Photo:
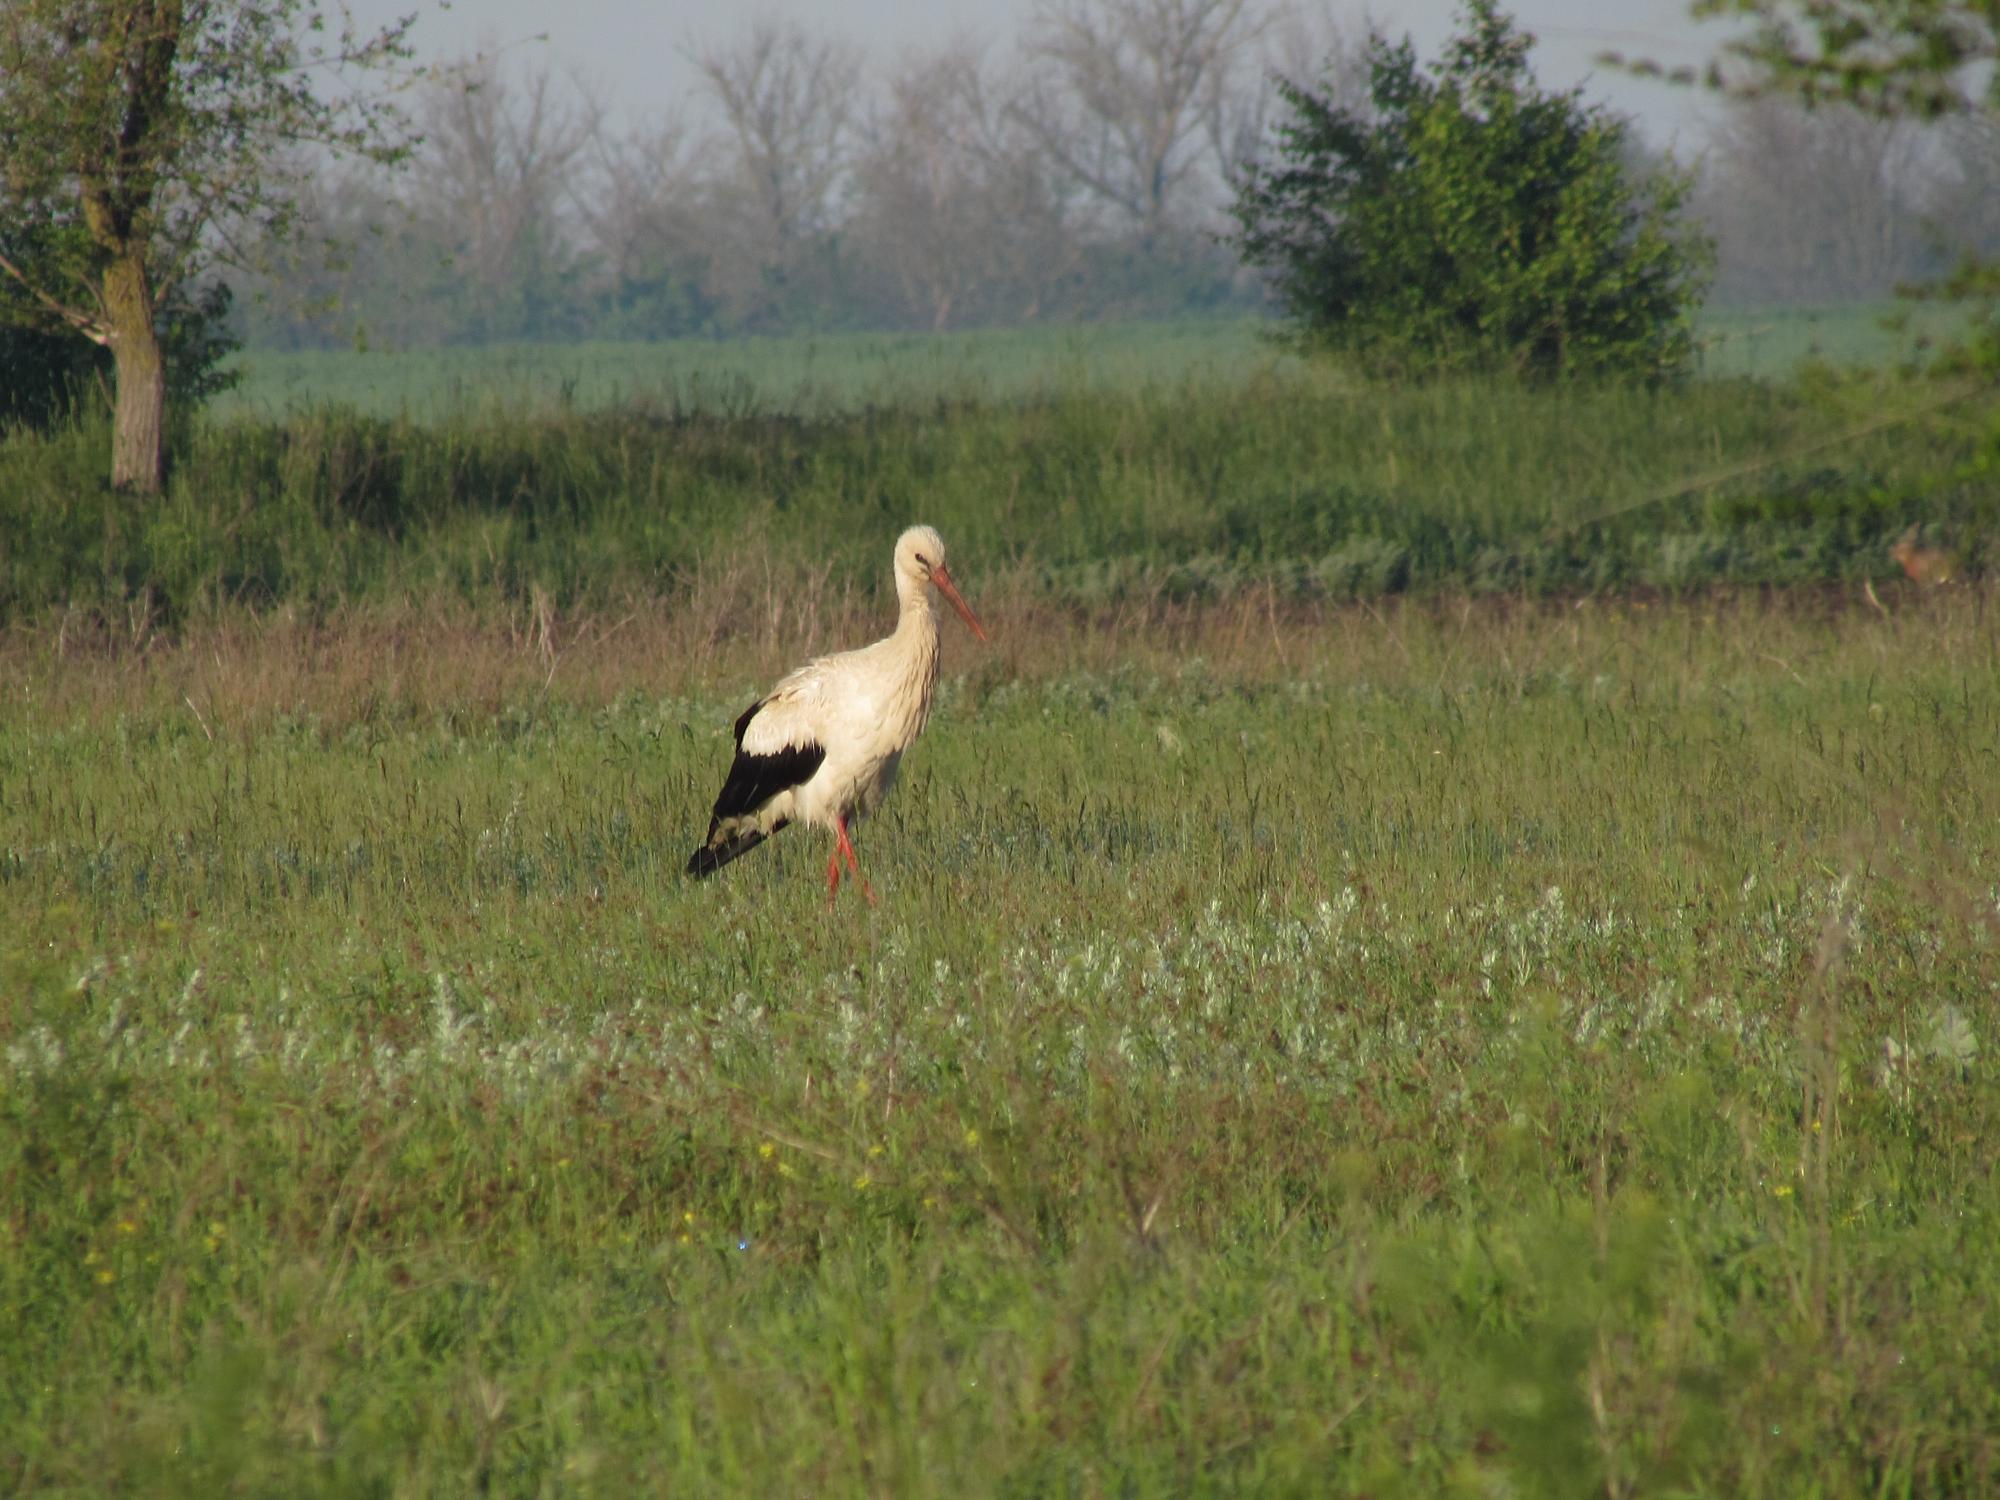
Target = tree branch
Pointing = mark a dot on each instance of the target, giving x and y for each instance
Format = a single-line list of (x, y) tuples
[(83, 323)]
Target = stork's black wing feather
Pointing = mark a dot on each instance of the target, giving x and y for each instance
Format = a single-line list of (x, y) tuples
[(756, 779), (753, 780), (712, 856)]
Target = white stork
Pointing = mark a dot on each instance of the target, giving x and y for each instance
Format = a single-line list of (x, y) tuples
[(823, 745)]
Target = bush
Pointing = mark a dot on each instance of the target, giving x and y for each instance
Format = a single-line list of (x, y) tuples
[(1466, 219)]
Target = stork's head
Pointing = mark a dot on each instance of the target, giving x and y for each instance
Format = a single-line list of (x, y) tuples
[(920, 560)]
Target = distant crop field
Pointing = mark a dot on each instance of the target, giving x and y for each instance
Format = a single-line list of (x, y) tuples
[(1466, 1047), (808, 375), (1775, 342), (818, 374)]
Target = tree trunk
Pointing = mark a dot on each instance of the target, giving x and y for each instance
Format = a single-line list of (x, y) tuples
[(138, 439)]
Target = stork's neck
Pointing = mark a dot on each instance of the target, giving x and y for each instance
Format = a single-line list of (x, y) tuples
[(912, 662), (917, 625)]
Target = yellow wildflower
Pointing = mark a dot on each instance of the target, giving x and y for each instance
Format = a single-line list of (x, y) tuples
[(766, 1150), (863, 1182)]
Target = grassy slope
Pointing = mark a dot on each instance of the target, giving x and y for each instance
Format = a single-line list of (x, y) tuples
[(1382, 1051), (1305, 482)]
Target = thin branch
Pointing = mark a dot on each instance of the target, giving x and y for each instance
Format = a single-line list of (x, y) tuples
[(84, 324)]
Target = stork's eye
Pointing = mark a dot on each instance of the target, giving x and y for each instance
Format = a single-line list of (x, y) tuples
[(923, 561)]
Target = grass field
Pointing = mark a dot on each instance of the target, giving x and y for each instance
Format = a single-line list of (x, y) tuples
[(805, 375), (831, 373), (1437, 1047), (1450, 944)]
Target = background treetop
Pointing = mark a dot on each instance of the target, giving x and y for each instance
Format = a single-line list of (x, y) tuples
[(1922, 58), (1465, 216), (188, 124), (140, 140)]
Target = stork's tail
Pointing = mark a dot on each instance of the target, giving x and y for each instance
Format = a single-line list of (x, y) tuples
[(723, 847)]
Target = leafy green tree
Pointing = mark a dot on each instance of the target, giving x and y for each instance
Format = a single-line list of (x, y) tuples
[(1923, 58), (137, 138), (1917, 59), (1465, 218)]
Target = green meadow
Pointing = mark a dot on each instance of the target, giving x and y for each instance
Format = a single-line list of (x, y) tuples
[(1500, 1049), (833, 372), (1449, 945)]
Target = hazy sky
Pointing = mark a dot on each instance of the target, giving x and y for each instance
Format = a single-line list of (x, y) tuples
[(631, 52)]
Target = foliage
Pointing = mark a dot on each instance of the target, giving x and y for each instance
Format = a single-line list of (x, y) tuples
[(47, 377), (239, 100), (1925, 58), (43, 376), (197, 336), (136, 138), (1897, 59), (1370, 1057), (1467, 218)]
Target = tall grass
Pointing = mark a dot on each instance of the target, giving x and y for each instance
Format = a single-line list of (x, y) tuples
[(1311, 486), (1404, 1049)]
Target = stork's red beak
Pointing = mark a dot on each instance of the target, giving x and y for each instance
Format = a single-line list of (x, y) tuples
[(941, 576)]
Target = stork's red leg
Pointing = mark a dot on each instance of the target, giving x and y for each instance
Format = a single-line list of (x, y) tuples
[(847, 850), (832, 876)]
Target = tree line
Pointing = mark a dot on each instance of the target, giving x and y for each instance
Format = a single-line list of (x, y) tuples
[(1082, 172), (1087, 171), (160, 157)]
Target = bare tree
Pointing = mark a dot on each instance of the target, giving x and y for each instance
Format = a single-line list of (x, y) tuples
[(788, 98), (1962, 204), (1130, 97), (495, 177), (642, 204), (356, 264), (1814, 204), (957, 187), (788, 101), (646, 215), (953, 201), (1299, 44)]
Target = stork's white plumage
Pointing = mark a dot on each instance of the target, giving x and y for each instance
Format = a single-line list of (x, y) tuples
[(822, 746)]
